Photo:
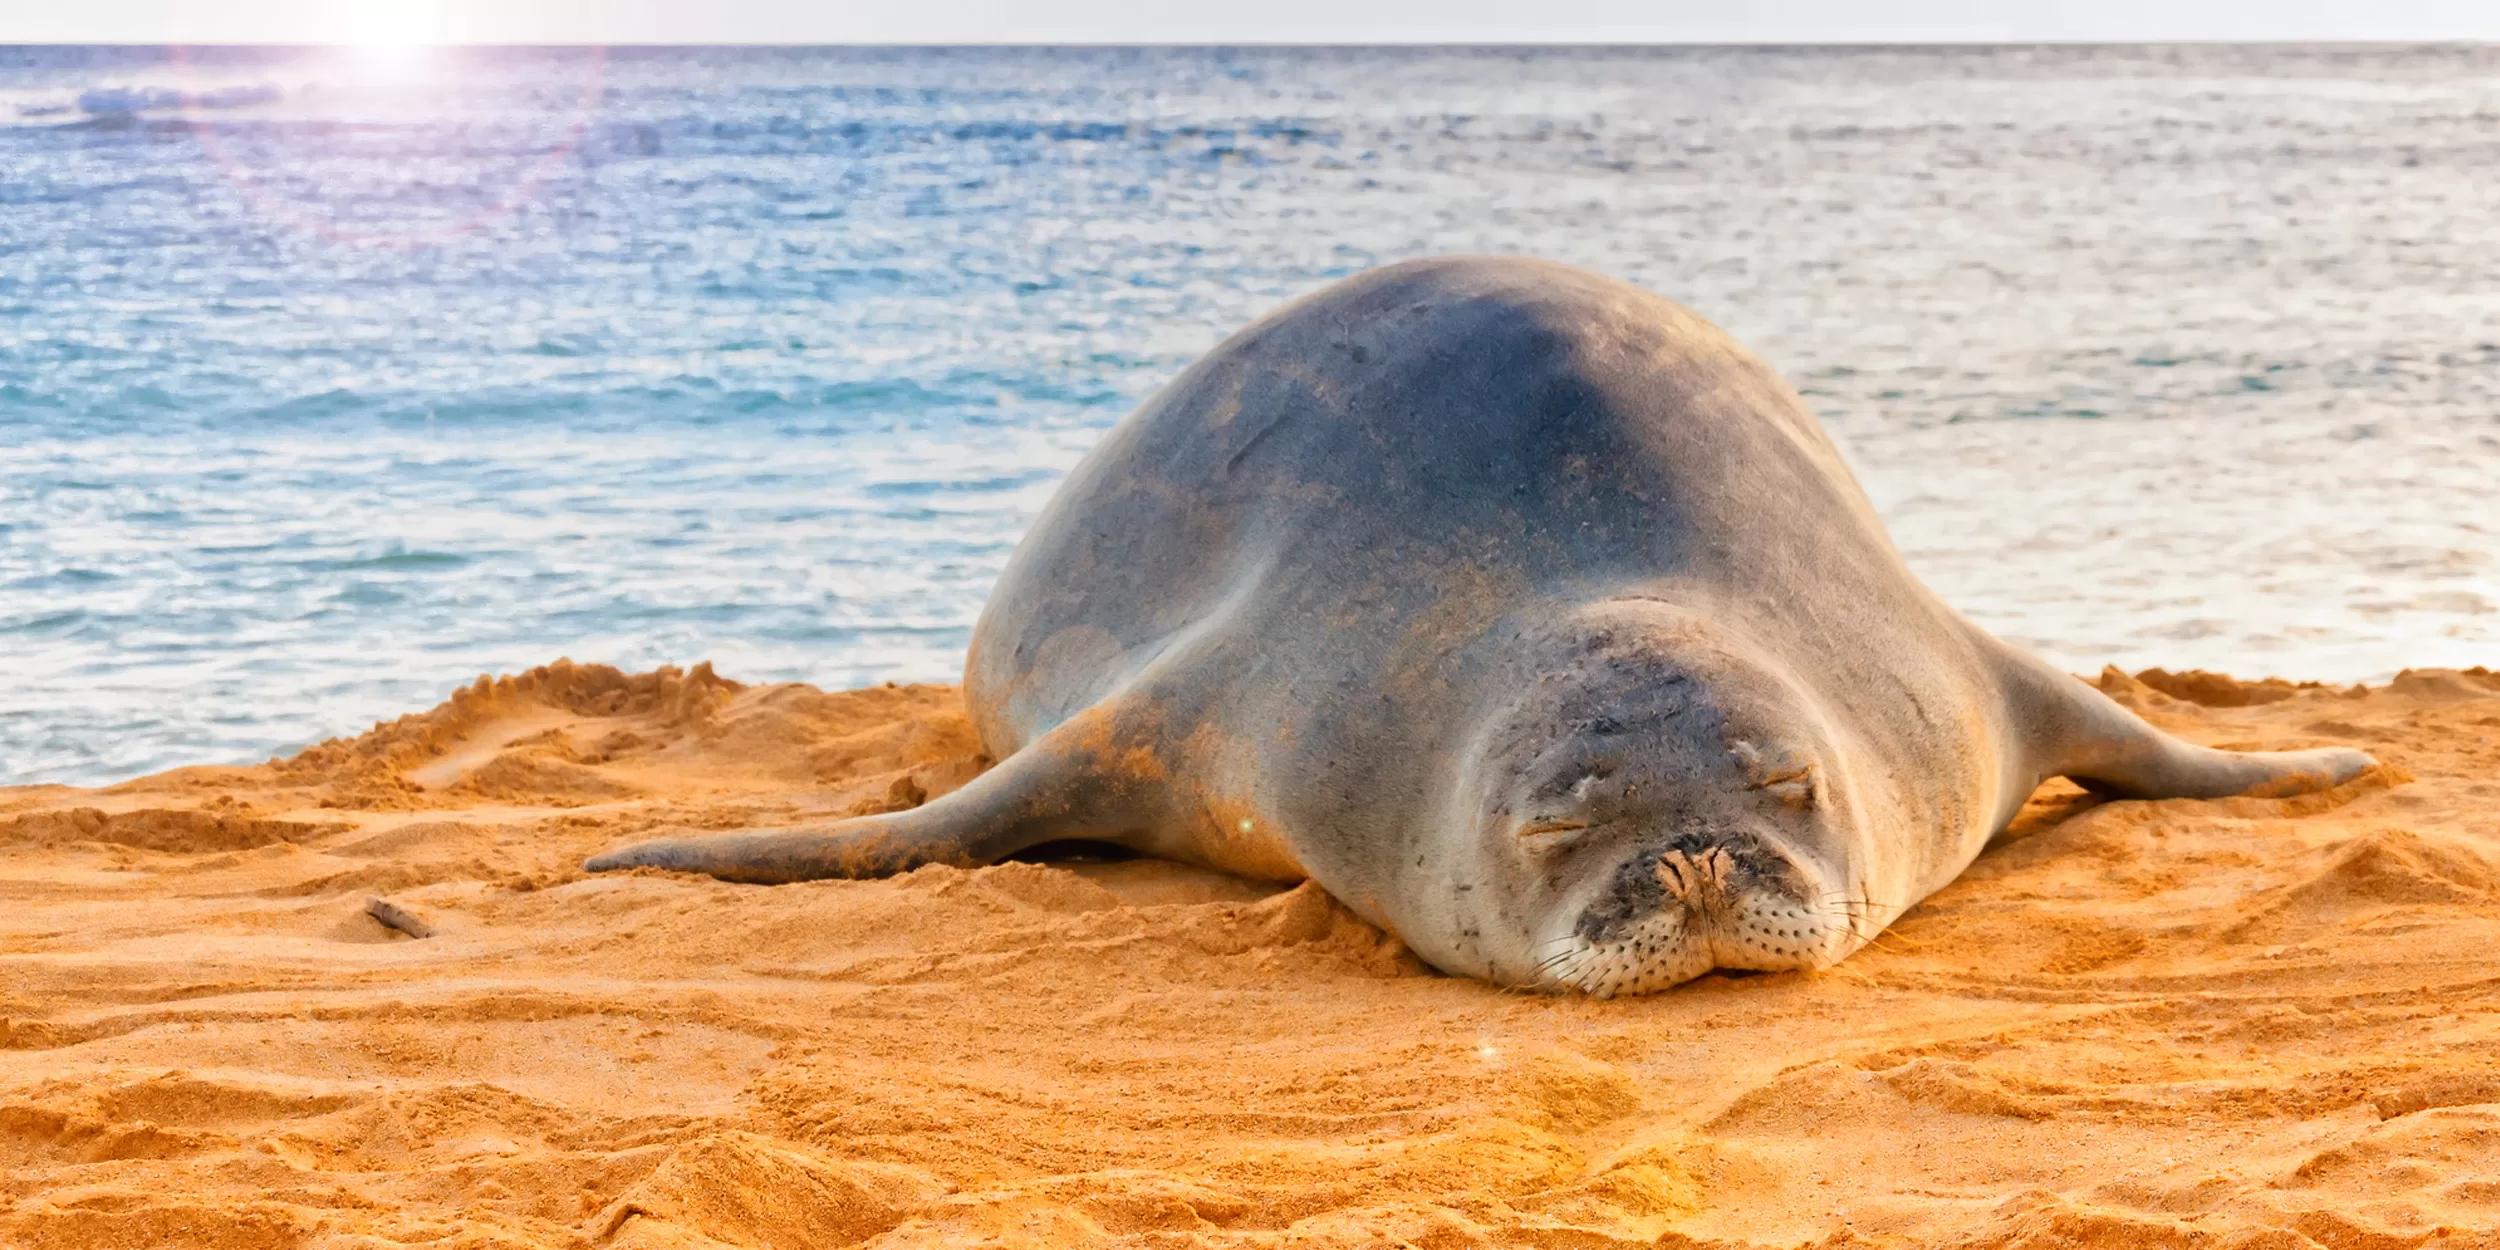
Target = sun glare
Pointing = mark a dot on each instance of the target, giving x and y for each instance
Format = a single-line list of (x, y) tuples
[(394, 38)]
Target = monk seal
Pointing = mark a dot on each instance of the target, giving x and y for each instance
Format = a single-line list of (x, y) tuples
[(1530, 616)]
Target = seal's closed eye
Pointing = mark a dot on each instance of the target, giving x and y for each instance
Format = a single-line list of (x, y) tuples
[(1780, 772), (1546, 836)]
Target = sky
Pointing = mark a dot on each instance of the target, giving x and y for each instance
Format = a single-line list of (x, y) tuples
[(1233, 21)]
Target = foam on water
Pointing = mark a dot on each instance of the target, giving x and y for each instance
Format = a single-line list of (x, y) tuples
[(323, 388)]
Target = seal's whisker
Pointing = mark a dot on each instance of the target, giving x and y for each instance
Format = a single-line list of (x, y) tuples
[(1854, 907), (1866, 901), (1557, 960)]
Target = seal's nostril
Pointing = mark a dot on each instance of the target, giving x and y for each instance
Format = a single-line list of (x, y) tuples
[(1676, 874), (1718, 866)]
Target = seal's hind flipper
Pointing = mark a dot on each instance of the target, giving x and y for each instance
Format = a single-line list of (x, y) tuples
[(1043, 793), (2076, 731)]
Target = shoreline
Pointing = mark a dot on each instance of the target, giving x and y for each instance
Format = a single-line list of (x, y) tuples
[(2178, 1023)]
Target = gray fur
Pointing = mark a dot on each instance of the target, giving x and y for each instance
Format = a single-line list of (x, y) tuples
[(1529, 615)]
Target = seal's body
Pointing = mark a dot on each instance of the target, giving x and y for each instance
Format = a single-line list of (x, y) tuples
[(1529, 615)]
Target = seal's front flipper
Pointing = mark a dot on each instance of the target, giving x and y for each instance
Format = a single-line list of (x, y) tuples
[(2077, 732), (1043, 793), (866, 846)]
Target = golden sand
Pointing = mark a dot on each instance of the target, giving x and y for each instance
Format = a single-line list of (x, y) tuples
[(2246, 1023)]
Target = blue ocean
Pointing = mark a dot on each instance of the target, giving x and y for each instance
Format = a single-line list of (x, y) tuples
[(332, 379)]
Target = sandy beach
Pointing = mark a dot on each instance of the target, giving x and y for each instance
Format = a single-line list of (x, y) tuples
[(2247, 1023)]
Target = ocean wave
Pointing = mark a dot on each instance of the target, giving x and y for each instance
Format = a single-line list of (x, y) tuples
[(112, 100)]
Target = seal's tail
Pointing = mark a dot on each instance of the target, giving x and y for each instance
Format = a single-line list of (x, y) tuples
[(2078, 732)]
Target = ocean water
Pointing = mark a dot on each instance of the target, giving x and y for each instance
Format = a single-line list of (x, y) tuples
[(329, 381)]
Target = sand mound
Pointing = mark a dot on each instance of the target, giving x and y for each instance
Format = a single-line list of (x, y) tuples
[(2242, 1023)]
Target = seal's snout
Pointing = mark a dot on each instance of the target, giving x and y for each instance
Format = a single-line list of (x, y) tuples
[(1674, 912)]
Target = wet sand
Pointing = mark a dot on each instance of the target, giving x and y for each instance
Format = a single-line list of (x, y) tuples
[(2260, 1023)]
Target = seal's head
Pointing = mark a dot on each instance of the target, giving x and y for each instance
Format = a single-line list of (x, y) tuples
[(1655, 801)]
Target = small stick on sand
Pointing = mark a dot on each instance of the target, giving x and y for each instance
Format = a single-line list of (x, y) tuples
[(394, 916)]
